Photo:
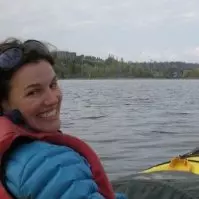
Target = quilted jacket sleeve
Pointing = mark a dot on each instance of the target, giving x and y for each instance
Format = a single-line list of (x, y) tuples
[(40, 170)]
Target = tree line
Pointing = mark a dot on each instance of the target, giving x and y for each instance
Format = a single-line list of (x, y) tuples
[(69, 65)]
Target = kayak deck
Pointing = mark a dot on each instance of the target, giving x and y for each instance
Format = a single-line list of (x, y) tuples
[(188, 162)]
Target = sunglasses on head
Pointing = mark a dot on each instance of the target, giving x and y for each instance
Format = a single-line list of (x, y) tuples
[(13, 57)]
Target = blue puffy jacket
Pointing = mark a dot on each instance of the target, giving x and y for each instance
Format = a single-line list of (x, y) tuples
[(40, 170)]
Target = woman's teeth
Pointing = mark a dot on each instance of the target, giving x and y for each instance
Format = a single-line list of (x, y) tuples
[(48, 114)]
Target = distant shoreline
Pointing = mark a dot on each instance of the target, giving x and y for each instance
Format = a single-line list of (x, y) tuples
[(70, 66), (126, 78)]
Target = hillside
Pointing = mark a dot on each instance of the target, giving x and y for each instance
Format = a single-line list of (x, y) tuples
[(71, 65)]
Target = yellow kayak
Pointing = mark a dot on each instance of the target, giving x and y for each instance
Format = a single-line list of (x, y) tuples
[(187, 163), (175, 179)]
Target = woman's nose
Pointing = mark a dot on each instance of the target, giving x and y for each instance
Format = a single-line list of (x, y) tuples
[(51, 97)]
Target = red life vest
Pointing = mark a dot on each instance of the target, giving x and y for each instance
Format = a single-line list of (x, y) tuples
[(9, 132)]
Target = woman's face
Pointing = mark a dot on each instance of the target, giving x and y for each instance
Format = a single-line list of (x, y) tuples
[(35, 92)]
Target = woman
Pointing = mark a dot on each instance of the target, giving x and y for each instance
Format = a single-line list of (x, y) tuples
[(37, 160)]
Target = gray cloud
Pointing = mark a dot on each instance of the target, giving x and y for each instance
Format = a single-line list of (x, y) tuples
[(133, 29)]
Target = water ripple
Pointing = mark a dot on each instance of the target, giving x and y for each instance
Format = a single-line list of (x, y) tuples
[(132, 124)]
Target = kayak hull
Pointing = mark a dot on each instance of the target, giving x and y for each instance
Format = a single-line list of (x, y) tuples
[(184, 164)]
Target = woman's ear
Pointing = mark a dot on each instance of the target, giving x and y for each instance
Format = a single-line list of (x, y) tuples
[(5, 106)]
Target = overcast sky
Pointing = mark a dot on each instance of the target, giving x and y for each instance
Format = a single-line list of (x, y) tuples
[(137, 30)]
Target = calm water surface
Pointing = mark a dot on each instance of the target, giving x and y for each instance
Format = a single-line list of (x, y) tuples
[(132, 124)]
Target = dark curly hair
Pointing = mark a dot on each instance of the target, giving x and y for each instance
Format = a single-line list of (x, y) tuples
[(30, 57)]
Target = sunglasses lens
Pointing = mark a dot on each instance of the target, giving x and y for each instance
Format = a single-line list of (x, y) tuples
[(10, 58), (33, 45)]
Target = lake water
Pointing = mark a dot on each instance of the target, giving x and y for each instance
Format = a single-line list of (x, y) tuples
[(132, 124)]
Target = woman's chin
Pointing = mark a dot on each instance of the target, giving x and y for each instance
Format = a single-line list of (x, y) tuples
[(48, 127)]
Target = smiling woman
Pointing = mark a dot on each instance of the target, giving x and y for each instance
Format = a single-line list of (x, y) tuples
[(37, 96), (37, 160)]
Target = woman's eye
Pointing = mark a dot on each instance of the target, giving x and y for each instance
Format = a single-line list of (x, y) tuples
[(31, 93), (53, 85)]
